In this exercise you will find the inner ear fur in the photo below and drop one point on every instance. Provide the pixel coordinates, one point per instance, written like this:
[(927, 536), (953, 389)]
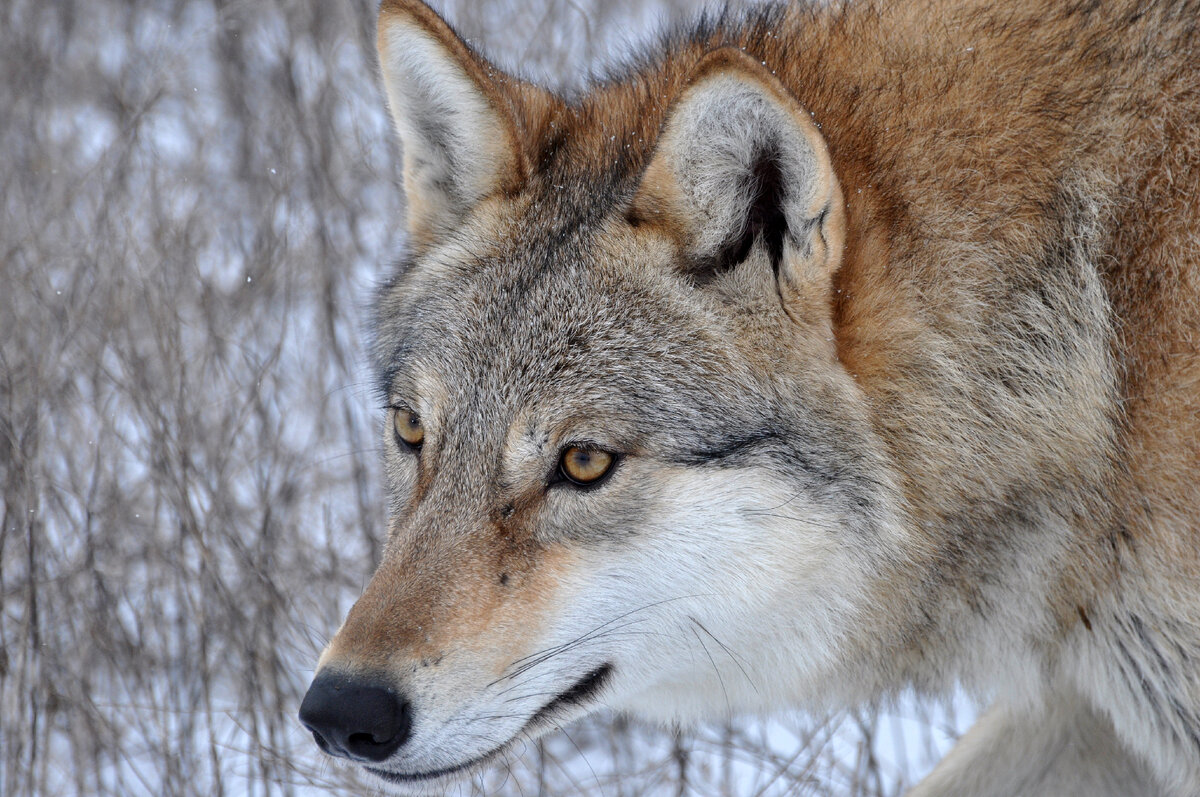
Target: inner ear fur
[(740, 164), (455, 114)]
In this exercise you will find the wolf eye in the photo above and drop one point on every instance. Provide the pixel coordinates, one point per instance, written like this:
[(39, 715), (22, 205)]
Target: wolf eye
[(584, 466), (407, 425)]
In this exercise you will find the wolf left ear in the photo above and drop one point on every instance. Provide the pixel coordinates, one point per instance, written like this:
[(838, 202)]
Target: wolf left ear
[(456, 119), (739, 165)]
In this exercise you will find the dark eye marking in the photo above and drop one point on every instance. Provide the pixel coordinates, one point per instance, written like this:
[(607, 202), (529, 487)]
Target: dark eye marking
[(781, 449), (730, 448)]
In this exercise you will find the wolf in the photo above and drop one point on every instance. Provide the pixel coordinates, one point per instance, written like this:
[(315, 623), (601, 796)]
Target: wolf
[(821, 353)]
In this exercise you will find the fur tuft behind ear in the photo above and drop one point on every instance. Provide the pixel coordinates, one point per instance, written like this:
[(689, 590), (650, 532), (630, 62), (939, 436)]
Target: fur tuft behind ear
[(740, 164), (455, 120)]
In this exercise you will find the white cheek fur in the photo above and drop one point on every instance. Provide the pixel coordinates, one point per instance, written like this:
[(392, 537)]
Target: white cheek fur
[(701, 602)]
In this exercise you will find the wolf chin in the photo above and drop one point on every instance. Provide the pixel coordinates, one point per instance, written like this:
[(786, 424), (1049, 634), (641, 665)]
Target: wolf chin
[(827, 352)]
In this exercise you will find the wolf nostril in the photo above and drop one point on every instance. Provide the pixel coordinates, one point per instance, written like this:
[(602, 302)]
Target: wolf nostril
[(324, 745), (356, 718)]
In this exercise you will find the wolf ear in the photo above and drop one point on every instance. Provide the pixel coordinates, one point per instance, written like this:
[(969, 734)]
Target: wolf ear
[(456, 121), (741, 165)]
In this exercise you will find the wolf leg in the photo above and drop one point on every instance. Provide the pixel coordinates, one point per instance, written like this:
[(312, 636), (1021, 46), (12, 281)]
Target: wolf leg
[(1063, 750)]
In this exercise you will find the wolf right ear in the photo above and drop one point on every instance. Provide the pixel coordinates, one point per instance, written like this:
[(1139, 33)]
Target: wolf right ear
[(741, 165), (456, 120)]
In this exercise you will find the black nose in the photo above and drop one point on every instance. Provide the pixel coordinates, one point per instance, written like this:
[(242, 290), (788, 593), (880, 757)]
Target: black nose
[(357, 718)]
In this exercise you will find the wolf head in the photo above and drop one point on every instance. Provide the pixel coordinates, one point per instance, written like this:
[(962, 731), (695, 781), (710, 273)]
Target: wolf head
[(626, 467)]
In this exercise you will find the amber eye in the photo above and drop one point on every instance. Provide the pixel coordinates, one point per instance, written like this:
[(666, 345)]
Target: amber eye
[(585, 465), (408, 427)]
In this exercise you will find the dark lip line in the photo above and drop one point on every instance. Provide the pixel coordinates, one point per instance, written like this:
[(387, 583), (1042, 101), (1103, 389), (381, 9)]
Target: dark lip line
[(584, 688)]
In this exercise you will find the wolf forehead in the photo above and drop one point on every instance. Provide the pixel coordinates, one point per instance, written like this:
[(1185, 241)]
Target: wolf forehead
[(513, 315)]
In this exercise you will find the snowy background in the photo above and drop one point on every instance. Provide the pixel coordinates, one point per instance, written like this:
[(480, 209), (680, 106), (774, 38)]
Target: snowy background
[(196, 197)]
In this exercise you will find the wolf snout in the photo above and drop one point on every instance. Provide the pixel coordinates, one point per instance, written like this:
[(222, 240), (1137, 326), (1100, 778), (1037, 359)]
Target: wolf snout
[(359, 718)]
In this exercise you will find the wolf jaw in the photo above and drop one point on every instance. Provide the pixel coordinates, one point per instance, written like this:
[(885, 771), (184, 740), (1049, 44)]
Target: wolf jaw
[(558, 710)]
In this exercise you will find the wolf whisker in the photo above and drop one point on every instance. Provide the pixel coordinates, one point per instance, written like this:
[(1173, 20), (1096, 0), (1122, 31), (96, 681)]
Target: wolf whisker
[(736, 659)]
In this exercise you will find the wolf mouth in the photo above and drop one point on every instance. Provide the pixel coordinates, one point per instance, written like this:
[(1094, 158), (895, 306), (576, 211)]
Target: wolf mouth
[(584, 689)]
